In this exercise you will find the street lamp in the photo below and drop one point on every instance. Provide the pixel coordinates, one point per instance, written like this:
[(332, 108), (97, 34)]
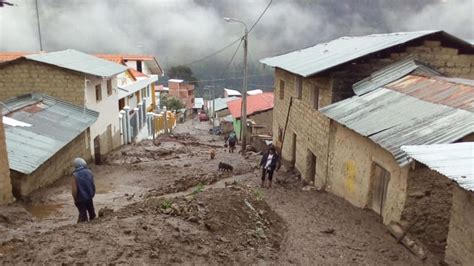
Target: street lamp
[(243, 117)]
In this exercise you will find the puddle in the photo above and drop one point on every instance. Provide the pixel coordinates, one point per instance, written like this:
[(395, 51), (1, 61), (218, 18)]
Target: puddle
[(43, 211)]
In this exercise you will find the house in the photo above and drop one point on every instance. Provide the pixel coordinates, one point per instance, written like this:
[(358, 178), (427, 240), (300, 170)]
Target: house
[(231, 93), (259, 112), (453, 162), (198, 104), (6, 195), (74, 77), (137, 85), (43, 136), (218, 109), (309, 79), (182, 90)]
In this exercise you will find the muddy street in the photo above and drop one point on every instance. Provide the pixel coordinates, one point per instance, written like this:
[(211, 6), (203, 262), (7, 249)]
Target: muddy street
[(168, 203)]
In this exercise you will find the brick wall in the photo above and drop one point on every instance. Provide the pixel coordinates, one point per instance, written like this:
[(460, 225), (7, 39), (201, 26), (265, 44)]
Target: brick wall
[(59, 165), (5, 183), (24, 76), (460, 248)]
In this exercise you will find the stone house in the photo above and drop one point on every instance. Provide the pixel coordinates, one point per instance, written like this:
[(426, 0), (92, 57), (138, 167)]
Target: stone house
[(259, 114), (75, 77), (43, 136), (312, 78), (6, 195), (453, 163)]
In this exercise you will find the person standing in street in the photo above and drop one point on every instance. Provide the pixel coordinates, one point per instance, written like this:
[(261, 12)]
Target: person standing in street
[(232, 139), (83, 190), (268, 164)]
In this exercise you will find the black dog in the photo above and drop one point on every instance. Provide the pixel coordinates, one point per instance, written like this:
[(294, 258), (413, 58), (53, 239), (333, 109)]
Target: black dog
[(225, 167)]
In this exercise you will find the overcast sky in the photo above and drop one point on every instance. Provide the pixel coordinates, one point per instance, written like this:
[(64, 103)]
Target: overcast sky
[(180, 31)]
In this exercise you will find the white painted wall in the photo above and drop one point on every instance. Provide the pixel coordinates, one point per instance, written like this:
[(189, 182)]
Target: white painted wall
[(133, 64), (107, 108)]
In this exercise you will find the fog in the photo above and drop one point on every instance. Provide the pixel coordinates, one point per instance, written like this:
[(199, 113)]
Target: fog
[(181, 31)]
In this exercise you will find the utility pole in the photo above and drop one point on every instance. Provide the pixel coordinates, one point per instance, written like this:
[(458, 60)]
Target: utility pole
[(243, 117), (39, 26)]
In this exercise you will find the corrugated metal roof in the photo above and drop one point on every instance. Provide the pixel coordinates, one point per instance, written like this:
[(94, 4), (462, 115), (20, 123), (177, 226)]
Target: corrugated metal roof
[(437, 90), (131, 88), (323, 56), (255, 103), (393, 119), (231, 92), (253, 92), (78, 61), (198, 103), (455, 161), (221, 103), (54, 123), (391, 73)]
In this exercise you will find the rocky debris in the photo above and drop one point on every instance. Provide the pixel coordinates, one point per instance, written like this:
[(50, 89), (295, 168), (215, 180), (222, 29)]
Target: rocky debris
[(106, 211)]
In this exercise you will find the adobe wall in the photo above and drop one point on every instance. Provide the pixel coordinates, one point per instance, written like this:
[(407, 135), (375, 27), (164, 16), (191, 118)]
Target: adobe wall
[(6, 195), (61, 164), (428, 205), (460, 241), (350, 171), (24, 76)]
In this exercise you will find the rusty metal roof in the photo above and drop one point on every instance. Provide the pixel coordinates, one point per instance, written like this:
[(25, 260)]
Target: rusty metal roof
[(255, 104), (455, 161), (392, 73), (393, 119), (323, 56), (451, 92), (37, 126)]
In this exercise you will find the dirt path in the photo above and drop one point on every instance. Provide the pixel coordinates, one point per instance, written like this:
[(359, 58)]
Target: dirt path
[(171, 205)]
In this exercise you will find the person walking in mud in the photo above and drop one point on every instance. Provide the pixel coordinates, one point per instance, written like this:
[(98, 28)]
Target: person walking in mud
[(83, 190), (268, 163), (232, 139)]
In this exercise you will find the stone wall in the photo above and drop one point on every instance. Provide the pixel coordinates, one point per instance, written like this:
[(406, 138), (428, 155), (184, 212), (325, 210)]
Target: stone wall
[(61, 164), (460, 248), (24, 76), (350, 171), (428, 206), (310, 126), (5, 182)]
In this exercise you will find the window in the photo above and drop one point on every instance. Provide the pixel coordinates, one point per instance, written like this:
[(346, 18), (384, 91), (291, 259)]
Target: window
[(299, 87), (98, 93), (282, 89), (143, 93), (109, 87), (315, 98)]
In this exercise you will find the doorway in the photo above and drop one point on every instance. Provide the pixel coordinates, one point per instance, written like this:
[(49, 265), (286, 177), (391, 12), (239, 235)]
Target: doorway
[(293, 151), (379, 188), (312, 160), (98, 159)]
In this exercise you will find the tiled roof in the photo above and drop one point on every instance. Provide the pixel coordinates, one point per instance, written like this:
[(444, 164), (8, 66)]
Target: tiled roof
[(8, 56), (255, 104)]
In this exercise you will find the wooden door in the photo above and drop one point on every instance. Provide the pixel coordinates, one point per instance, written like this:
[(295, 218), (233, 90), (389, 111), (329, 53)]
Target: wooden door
[(379, 188)]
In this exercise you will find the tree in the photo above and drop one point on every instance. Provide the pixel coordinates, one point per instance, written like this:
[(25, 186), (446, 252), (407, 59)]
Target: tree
[(172, 103), (183, 72)]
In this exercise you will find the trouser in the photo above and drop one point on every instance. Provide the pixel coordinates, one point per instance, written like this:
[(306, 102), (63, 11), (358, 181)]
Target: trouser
[(84, 208), (266, 172)]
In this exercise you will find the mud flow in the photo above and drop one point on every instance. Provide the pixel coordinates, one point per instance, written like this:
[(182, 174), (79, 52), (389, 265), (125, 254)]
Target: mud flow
[(166, 202)]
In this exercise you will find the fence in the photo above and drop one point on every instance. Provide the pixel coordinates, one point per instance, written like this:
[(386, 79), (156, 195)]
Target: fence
[(132, 121), (161, 123)]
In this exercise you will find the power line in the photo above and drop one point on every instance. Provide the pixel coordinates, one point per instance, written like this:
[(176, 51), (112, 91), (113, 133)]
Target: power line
[(232, 43)]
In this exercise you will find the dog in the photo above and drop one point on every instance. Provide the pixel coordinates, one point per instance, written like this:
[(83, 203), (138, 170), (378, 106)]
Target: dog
[(225, 167), (212, 154)]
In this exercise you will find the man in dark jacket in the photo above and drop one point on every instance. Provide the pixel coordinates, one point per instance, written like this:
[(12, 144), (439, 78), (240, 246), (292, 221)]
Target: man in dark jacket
[(83, 190), (268, 163)]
